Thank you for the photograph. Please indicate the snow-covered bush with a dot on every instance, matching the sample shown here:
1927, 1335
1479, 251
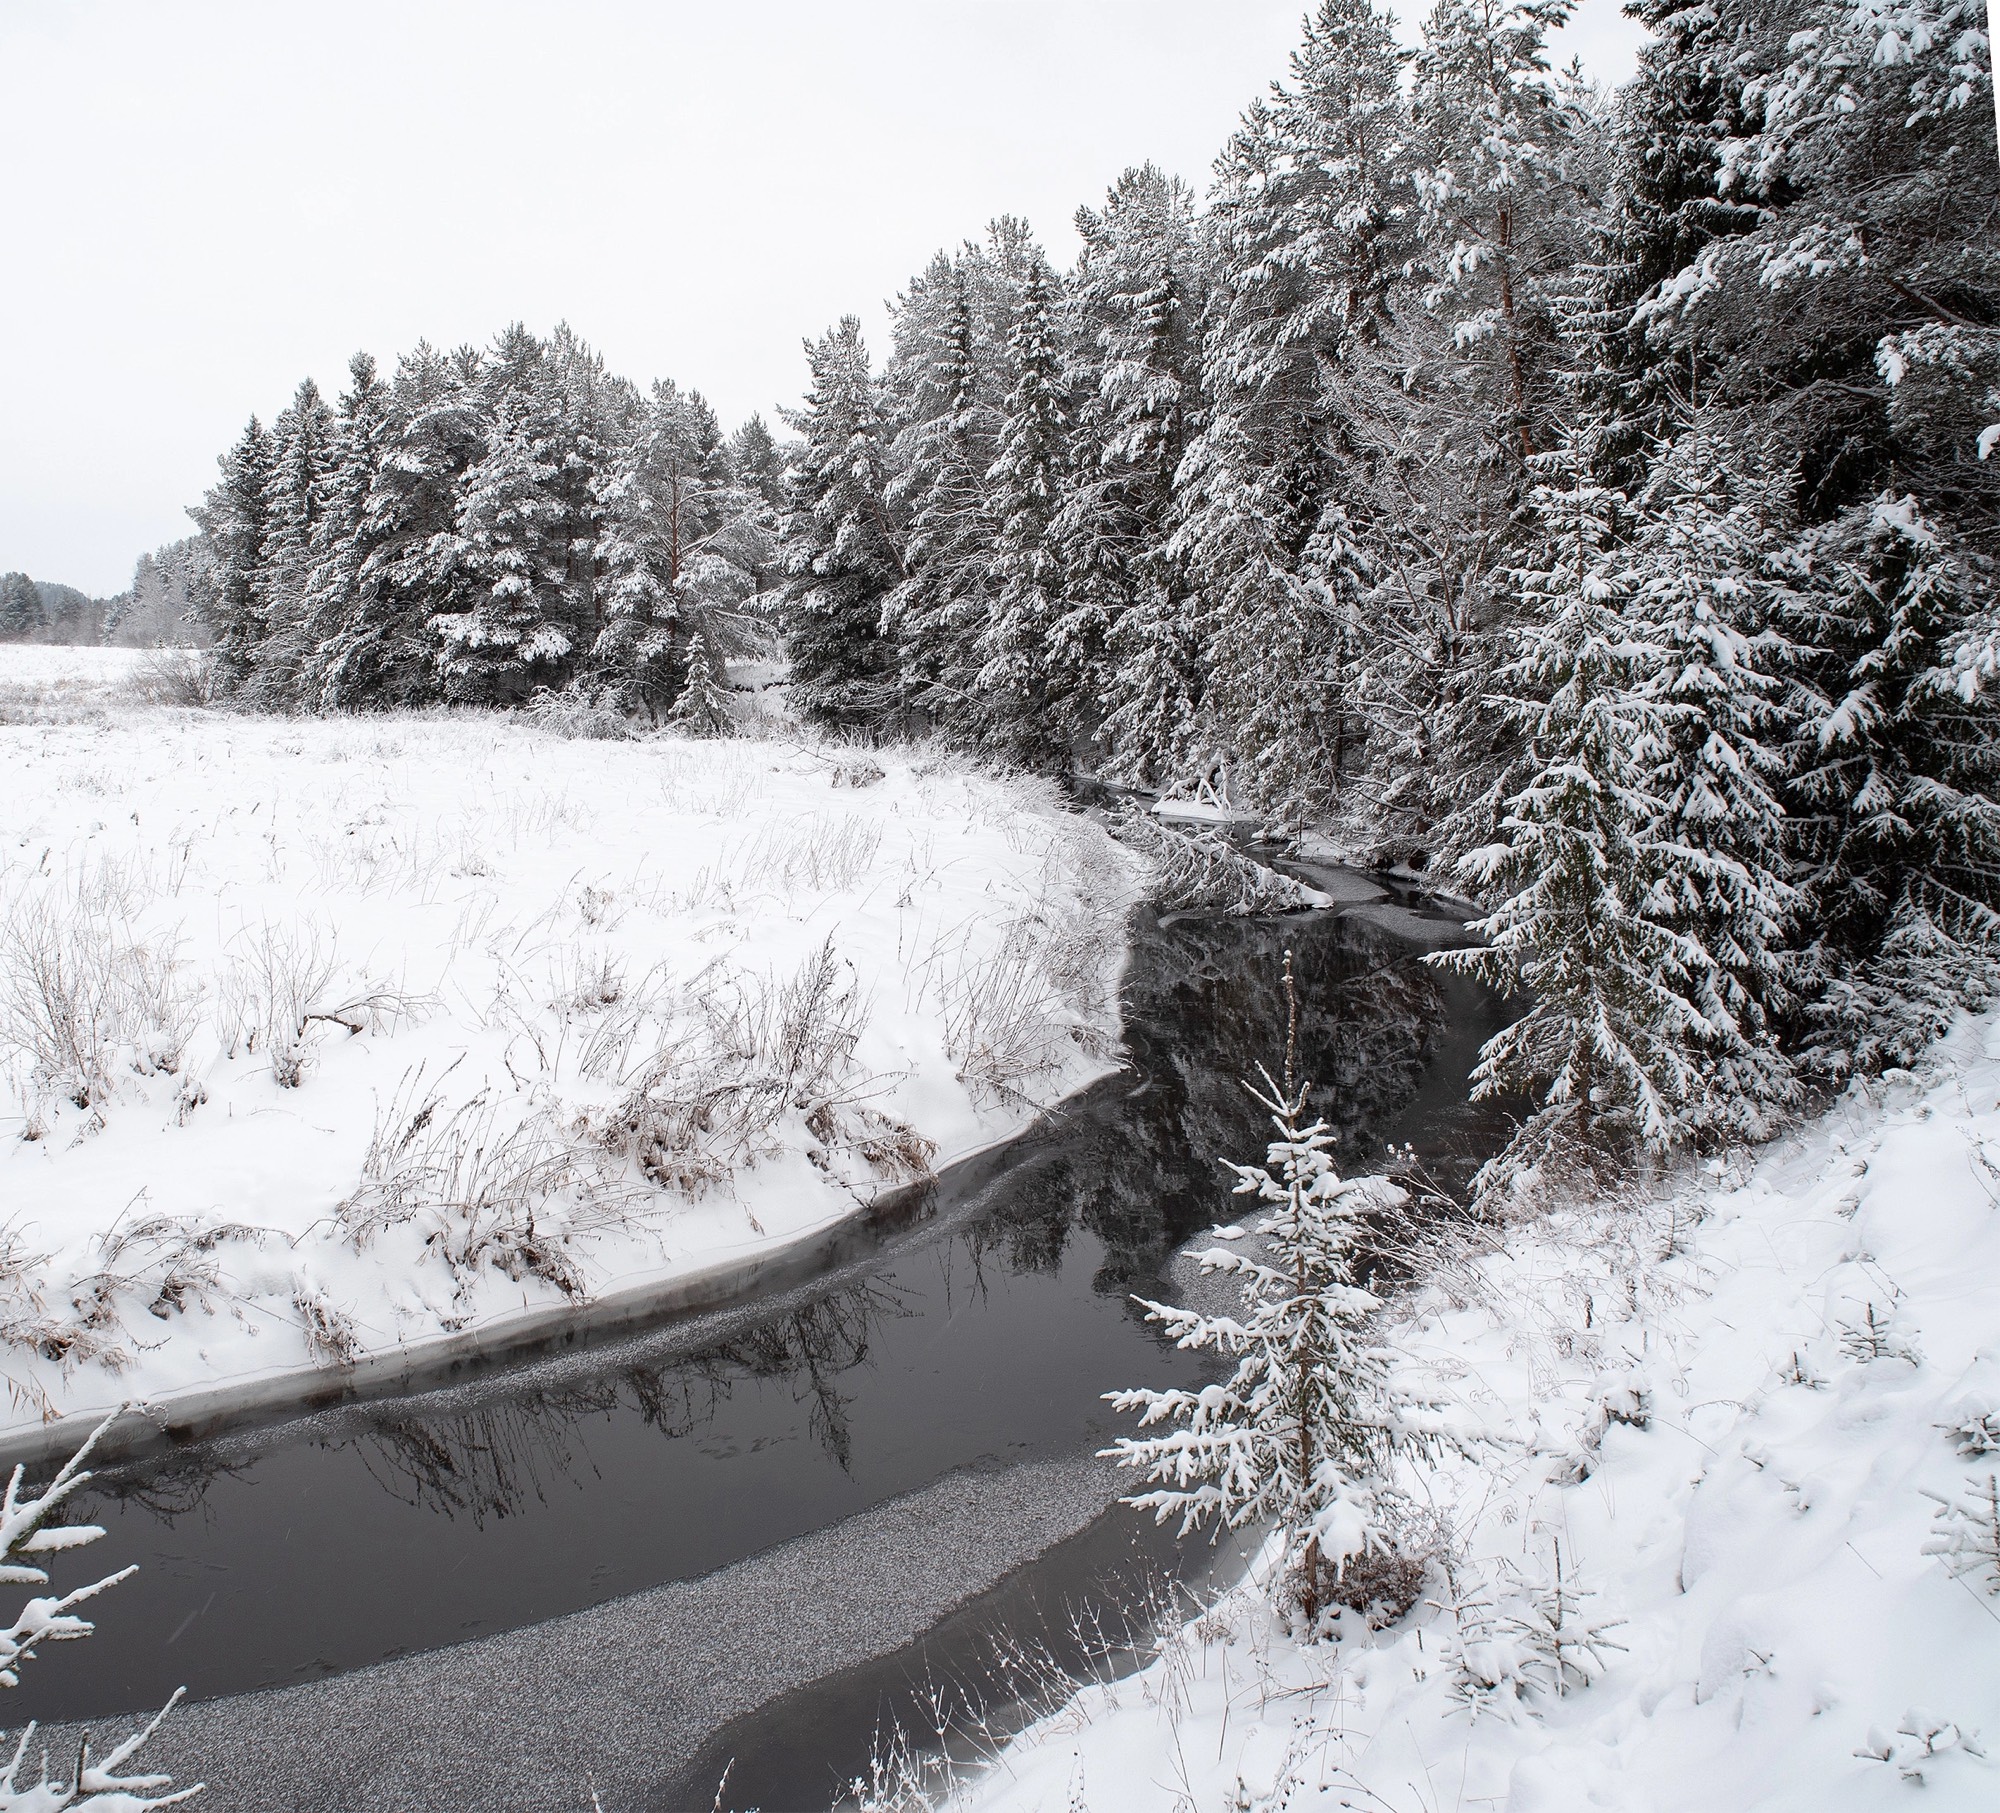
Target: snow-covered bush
85, 1001
485, 1183
578, 712
26, 1532
742, 1056
282, 988
184, 677
1014, 1018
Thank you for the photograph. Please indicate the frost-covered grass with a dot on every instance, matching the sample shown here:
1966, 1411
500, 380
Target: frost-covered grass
1733, 1547
321, 1038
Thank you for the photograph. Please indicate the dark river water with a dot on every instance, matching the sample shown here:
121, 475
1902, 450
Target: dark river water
976, 1328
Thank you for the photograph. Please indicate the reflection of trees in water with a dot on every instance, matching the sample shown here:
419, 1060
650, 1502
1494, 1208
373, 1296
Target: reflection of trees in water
169, 1487
488, 1460
1138, 1161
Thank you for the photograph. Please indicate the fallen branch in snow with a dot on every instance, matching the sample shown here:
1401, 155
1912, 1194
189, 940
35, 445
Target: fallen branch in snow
25, 1531
1198, 871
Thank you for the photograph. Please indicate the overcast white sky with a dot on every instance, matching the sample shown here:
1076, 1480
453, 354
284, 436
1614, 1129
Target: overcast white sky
201, 203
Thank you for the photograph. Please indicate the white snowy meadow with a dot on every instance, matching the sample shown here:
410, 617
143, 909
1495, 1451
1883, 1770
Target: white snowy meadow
1732, 1541
324, 1039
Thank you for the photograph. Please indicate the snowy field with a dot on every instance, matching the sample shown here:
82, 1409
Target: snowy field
38, 681
1733, 1546
321, 1039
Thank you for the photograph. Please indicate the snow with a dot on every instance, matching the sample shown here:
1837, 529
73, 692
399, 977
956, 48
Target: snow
518, 925
1743, 1479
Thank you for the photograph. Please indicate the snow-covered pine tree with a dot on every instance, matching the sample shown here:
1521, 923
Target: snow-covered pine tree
588, 418
1501, 218
842, 557
702, 709
416, 568
1024, 703
939, 611
1307, 1429
232, 519
1719, 696
1609, 1047
1897, 773
514, 638
665, 497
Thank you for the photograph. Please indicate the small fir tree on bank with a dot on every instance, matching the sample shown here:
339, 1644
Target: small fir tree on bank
1306, 1431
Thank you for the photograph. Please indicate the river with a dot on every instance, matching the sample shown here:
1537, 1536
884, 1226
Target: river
945, 1366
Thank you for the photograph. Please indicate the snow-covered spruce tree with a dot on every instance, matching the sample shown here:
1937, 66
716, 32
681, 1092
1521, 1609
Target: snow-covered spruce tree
26, 1535
702, 709
1609, 1047
1310, 226
1686, 102
842, 558
1023, 702
1309, 1426
1718, 694
412, 567
1135, 302
342, 541
1855, 305
1896, 773
757, 469
232, 522
937, 613
297, 496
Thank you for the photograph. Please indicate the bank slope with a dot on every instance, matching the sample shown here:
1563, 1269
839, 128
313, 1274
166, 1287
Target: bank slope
1753, 1425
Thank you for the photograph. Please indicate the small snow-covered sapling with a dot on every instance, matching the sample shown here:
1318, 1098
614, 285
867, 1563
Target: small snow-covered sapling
1967, 1533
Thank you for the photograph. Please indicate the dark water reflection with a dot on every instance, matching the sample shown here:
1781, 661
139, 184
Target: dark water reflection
981, 1334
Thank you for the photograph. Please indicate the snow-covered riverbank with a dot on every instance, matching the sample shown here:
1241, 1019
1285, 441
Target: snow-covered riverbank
329, 1038
1731, 1425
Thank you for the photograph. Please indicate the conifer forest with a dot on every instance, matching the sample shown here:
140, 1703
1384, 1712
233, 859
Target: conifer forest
1582, 499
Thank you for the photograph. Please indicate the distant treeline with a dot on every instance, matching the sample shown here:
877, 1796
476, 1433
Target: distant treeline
160, 609
482, 525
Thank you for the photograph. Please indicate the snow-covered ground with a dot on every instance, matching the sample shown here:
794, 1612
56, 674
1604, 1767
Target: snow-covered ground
322, 1039
37, 679
1732, 1419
